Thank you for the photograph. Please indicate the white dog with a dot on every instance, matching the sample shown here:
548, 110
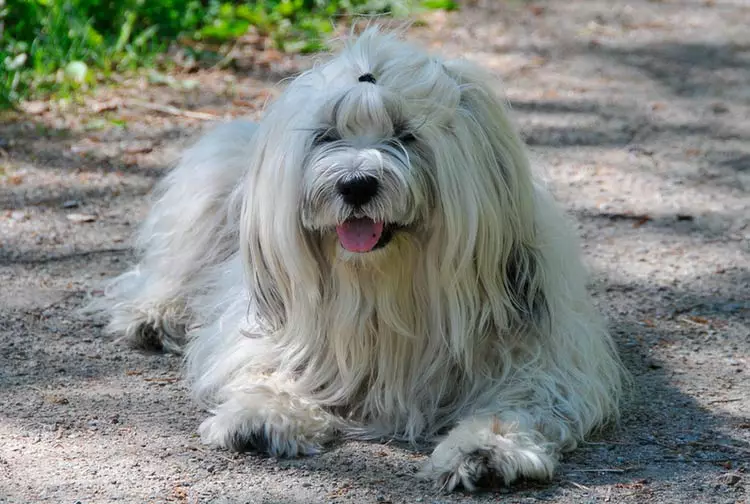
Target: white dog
374, 259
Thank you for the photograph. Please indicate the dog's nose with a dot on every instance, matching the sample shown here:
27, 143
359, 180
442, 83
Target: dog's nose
357, 191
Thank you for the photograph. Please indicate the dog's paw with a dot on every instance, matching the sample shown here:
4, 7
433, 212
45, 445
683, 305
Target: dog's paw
151, 328
469, 471
267, 419
278, 441
477, 453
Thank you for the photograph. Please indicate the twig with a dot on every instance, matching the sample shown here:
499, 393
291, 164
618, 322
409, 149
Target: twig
716, 401
606, 469
691, 322
227, 59
719, 445
577, 485
169, 109
606, 443
162, 380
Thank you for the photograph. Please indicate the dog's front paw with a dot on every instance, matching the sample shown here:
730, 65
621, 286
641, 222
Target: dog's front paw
283, 441
465, 469
266, 419
478, 453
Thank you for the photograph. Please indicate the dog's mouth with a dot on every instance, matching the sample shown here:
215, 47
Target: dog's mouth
362, 234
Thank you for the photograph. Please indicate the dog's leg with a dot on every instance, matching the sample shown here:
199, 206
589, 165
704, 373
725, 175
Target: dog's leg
191, 228
269, 417
492, 449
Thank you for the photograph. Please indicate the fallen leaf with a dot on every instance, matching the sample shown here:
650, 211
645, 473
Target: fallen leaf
641, 221
272, 55
79, 218
106, 105
56, 399
239, 102
15, 179
35, 107
537, 10
138, 147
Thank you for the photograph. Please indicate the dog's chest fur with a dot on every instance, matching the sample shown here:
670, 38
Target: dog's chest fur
381, 354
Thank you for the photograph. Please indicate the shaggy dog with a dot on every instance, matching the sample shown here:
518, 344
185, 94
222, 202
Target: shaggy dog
375, 259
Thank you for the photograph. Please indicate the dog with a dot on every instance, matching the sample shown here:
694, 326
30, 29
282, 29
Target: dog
375, 259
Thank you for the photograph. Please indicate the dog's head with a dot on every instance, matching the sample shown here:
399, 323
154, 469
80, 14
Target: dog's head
381, 150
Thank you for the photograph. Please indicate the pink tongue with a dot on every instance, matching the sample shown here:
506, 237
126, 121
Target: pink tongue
359, 235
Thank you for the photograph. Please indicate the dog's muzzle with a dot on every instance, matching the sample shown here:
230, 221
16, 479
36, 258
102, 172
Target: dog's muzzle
361, 234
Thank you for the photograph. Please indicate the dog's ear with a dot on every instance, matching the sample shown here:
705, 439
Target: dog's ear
265, 287
485, 115
282, 274
524, 284
282, 264
496, 186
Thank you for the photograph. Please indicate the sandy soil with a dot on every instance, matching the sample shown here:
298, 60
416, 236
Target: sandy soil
639, 113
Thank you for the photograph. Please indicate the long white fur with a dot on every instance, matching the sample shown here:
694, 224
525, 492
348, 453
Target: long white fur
473, 321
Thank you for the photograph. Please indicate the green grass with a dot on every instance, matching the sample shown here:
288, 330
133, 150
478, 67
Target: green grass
62, 47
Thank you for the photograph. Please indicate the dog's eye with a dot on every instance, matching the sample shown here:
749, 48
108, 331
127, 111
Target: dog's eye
324, 136
403, 134
407, 137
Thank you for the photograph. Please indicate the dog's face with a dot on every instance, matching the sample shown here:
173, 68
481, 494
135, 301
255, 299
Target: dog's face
367, 176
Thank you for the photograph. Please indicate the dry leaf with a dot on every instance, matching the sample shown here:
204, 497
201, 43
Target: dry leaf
56, 399
537, 10
113, 104
641, 221
15, 179
138, 147
35, 107
79, 218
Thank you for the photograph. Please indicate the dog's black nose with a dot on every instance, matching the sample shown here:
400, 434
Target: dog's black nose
357, 191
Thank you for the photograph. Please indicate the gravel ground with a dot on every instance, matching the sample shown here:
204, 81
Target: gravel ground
639, 114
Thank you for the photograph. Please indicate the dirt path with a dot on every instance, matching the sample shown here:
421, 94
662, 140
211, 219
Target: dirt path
638, 111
